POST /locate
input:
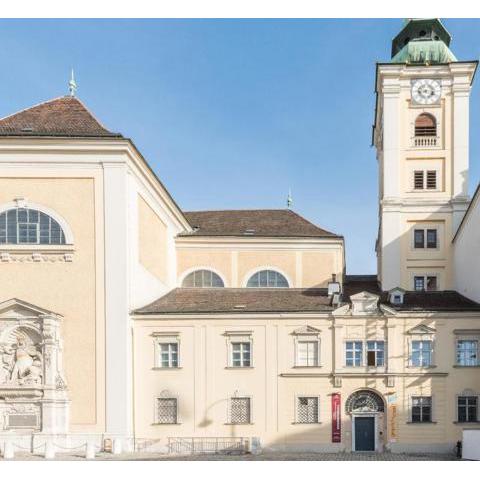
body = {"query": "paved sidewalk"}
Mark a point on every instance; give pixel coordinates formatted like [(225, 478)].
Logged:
[(261, 457)]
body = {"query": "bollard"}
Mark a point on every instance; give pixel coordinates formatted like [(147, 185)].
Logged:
[(8, 450), (49, 450), (90, 451), (117, 446)]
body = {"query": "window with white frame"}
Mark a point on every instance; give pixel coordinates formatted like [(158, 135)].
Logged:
[(307, 353), (353, 353), (467, 408), (239, 346), (241, 354), (376, 353), (166, 410), (267, 279), (421, 353), (307, 410), (421, 409), (203, 279), (240, 410), (467, 353), (167, 346), (28, 226), (425, 283)]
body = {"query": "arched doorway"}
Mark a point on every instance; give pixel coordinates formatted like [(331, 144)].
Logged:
[(366, 408)]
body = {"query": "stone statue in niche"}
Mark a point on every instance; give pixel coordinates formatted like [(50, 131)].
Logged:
[(21, 362)]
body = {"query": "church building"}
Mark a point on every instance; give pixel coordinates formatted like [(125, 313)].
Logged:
[(131, 324)]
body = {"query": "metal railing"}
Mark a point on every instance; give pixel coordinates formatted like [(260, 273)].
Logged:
[(207, 445), (425, 141)]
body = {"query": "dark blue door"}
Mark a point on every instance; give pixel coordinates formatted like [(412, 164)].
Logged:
[(364, 434)]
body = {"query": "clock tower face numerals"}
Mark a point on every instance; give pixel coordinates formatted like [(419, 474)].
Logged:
[(426, 92)]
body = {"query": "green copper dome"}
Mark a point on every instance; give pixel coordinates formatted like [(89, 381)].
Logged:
[(422, 41)]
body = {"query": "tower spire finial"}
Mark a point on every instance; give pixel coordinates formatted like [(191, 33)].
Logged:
[(72, 85), (289, 199)]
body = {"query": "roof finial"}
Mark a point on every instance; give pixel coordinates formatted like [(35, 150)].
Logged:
[(289, 199), (72, 85)]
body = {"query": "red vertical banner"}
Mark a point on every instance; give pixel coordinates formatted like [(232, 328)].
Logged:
[(336, 419)]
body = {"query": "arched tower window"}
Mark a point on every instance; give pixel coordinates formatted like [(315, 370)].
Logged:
[(267, 279), (425, 126), (203, 279), (29, 226)]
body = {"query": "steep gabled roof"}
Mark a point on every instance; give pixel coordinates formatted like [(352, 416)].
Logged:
[(61, 117), (253, 223)]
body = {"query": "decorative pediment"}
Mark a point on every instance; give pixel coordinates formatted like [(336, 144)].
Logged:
[(19, 309), (306, 330), (364, 303), (421, 329)]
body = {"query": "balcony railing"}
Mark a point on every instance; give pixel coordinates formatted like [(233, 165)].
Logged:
[(425, 141)]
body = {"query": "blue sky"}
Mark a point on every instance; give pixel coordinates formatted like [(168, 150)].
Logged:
[(231, 113)]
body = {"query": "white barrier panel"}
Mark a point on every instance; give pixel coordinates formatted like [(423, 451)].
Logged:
[(471, 444), (8, 450), (90, 451)]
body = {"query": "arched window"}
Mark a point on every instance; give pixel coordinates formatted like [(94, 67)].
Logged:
[(203, 279), (425, 126), (267, 279), (28, 226), (364, 401)]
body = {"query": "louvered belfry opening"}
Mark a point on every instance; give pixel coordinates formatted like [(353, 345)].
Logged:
[(425, 126)]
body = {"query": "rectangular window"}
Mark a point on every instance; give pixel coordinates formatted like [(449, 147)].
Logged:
[(418, 180), (241, 354), (168, 355), (421, 353), (307, 410), (431, 180), (239, 410), (467, 409), (421, 409), (307, 354), (353, 354), (166, 410), (431, 238), (419, 238), (419, 283), (376, 353), (467, 353), (431, 283)]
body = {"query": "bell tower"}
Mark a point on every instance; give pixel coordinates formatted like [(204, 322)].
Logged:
[(421, 133)]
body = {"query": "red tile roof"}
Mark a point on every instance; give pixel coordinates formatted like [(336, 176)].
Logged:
[(252, 223), (61, 117)]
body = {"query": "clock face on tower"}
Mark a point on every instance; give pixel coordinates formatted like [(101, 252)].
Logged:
[(426, 92)]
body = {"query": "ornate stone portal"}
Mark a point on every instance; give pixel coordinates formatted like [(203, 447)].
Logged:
[(33, 393)]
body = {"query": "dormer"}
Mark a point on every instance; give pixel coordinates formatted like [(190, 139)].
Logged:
[(364, 303), (396, 296)]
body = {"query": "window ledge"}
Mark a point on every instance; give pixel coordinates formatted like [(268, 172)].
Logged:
[(421, 423), (466, 366), (466, 423), (307, 366), (306, 423), (175, 423), (22, 247), (412, 367), (239, 424), (28, 253), (167, 368), (238, 368)]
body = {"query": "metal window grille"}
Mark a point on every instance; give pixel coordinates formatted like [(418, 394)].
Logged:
[(467, 352), (431, 179), (421, 409), (307, 410), (168, 355), (307, 353), (241, 354), (26, 226), (166, 410), (418, 180), (240, 410), (467, 409)]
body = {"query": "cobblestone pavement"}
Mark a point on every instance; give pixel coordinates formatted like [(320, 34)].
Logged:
[(260, 457)]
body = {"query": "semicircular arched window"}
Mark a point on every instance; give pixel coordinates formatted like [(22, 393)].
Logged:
[(27, 226), (425, 125), (267, 279), (203, 279)]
